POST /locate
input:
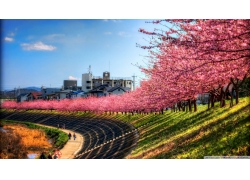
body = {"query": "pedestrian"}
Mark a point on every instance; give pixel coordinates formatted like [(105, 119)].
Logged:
[(42, 156), (58, 126), (49, 156), (69, 135), (74, 135), (57, 154), (63, 126)]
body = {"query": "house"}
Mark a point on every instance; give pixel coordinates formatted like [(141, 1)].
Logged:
[(99, 90), (22, 97), (64, 94), (107, 90), (77, 94), (34, 96), (49, 93), (89, 82), (82, 94), (116, 90)]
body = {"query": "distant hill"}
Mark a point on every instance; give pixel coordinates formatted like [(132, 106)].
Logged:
[(12, 93), (33, 88)]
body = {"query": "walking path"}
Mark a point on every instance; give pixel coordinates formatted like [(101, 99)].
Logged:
[(72, 147)]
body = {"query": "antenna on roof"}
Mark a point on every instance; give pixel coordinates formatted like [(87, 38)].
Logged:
[(89, 69)]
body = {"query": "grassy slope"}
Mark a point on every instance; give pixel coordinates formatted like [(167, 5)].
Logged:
[(214, 132)]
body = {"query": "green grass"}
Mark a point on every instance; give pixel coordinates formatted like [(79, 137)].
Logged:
[(60, 138), (207, 132), (214, 132)]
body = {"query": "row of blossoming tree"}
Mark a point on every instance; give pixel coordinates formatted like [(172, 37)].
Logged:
[(187, 58)]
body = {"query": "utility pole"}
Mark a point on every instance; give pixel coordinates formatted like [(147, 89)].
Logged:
[(14, 93), (134, 81)]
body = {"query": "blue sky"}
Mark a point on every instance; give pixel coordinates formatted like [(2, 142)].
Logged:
[(46, 52)]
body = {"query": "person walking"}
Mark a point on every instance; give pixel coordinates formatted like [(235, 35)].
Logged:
[(57, 154), (49, 156), (42, 156), (74, 136), (69, 135)]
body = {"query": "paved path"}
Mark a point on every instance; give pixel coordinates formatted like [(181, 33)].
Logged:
[(72, 147)]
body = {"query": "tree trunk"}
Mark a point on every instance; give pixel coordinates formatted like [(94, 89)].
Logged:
[(208, 103), (222, 98), (237, 94), (189, 105), (195, 106), (212, 100), (232, 97)]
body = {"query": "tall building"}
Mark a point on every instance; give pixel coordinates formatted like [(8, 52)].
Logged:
[(87, 82)]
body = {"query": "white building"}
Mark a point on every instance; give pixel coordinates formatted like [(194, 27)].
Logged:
[(87, 82), (90, 82)]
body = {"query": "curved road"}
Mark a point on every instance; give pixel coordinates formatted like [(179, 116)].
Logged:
[(103, 138)]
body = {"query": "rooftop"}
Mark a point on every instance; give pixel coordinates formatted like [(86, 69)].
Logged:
[(113, 78)]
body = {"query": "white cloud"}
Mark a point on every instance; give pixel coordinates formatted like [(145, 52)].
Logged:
[(124, 34), (108, 33), (73, 78), (38, 46), (8, 39)]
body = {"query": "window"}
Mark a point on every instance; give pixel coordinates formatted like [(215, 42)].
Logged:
[(88, 87), (88, 82)]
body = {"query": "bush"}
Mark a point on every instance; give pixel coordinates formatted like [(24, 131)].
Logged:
[(60, 138), (11, 147)]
